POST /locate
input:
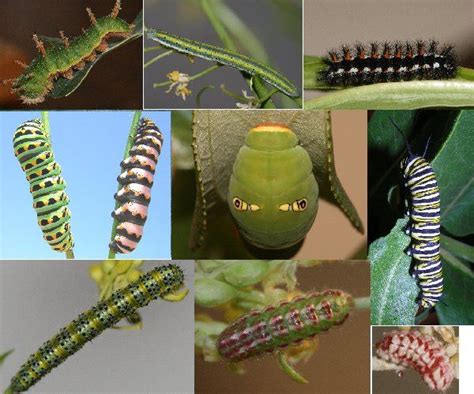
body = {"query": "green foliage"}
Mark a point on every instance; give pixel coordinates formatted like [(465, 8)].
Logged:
[(452, 158), (4, 356), (393, 291)]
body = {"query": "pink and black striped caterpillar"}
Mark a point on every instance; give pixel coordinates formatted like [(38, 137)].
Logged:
[(364, 65), (136, 180), (421, 352), (276, 327)]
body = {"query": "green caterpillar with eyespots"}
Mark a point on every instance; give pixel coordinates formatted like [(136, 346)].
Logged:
[(33, 150), (273, 194)]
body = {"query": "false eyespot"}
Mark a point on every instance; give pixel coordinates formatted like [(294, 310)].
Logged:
[(273, 193), (276, 327), (63, 60)]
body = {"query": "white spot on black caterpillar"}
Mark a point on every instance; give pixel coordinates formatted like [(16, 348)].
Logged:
[(395, 62)]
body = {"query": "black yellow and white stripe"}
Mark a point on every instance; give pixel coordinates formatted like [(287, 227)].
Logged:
[(158, 282), (33, 151), (424, 227)]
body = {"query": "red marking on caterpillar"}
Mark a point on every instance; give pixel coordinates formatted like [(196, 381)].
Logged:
[(137, 180), (395, 62), (419, 351), (277, 327), (61, 61)]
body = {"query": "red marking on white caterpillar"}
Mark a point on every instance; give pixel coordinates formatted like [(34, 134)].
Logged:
[(419, 351)]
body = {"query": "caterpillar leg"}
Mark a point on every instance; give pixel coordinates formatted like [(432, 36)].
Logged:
[(176, 296), (287, 368)]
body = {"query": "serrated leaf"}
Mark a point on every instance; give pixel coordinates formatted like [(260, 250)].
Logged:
[(456, 304), (64, 87), (218, 136), (454, 166), (393, 291)]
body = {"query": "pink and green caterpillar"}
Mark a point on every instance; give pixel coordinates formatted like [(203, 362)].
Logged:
[(276, 327), (62, 60)]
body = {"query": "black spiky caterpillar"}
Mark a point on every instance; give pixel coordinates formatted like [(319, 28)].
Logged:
[(137, 181), (367, 64), (156, 283)]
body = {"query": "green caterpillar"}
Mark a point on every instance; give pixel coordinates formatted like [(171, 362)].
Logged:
[(273, 194), (159, 282), (32, 149), (61, 61), (226, 57)]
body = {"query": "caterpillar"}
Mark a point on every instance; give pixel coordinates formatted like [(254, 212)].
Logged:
[(62, 60), (136, 181), (424, 227), (158, 282), (419, 351), (33, 150), (365, 65), (276, 327), (273, 194), (225, 57)]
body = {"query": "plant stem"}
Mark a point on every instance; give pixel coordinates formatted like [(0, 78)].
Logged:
[(130, 140), (191, 78), (465, 73), (156, 58), (154, 48), (70, 254), (45, 121), (218, 25), (259, 89)]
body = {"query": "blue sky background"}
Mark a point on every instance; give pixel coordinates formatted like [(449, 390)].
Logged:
[(89, 146)]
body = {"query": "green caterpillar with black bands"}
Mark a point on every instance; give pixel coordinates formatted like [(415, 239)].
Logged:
[(32, 148)]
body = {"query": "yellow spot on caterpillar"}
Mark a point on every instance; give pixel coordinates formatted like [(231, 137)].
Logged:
[(276, 127)]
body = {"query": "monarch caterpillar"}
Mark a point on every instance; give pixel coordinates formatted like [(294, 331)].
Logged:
[(33, 150), (421, 352), (424, 226), (226, 57), (62, 60), (273, 194), (136, 180), (365, 65), (158, 282), (288, 323)]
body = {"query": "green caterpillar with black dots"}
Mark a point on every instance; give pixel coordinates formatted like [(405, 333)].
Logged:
[(158, 283), (32, 148)]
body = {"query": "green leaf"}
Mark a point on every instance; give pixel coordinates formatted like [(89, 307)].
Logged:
[(64, 87), (182, 139), (399, 95), (218, 136), (211, 292), (313, 65), (456, 304), (454, 166), (393, 291)]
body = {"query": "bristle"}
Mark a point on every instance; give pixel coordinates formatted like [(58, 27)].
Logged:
[(389, 62)]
